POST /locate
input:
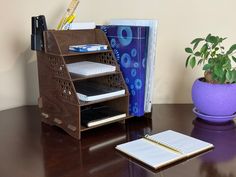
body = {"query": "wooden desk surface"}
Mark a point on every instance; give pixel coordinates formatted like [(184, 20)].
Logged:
[(31, 149)]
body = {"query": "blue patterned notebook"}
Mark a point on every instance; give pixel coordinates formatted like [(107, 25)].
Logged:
[(130, 44)]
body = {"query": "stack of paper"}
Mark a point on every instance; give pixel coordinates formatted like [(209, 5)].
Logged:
[(87, 68)]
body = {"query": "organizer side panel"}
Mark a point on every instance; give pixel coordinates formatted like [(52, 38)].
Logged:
[(57, 102), (50, 43), (101, 37)]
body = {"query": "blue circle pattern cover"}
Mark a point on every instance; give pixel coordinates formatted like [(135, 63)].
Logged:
[(130, 44)]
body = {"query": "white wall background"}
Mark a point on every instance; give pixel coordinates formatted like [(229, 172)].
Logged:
[(179, 22)]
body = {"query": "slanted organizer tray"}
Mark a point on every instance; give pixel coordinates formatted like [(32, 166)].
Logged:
[(58, 101)]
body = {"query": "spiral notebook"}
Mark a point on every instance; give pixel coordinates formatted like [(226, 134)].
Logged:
[(164, 148)]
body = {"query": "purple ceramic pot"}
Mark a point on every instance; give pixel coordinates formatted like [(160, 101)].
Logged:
[(214, 99)]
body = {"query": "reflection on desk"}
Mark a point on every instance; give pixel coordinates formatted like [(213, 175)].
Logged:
[(29, 148), (94, 156), (223, 136)]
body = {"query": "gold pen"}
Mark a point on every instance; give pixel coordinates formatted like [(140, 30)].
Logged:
[(147, 137)]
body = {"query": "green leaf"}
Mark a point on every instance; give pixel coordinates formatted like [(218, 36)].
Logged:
[(232, 48), (188, 50), (223, 61), (234, 59), (187, 61), (227, 65), (197, 40), (199, 62), (206, 55), (220, 57), (195, 45), (213, 54), (214, 45), (207, 67), (197, 54), (228, 75), (212, 39), (223, 77), (211, 60), (222, 39), (214, 77), (208, 36), (233, 79), (204, 48), (192, 62), (218, 71)]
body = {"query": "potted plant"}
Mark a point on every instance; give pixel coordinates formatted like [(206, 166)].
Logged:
[(213, 95)]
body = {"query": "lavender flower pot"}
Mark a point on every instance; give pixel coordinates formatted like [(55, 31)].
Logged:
[(217, 100)]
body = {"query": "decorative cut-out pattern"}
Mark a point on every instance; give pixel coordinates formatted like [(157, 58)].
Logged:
[(66, 90), (58, 67), (106, 58)]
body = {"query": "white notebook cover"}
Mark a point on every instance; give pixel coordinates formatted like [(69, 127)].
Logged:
[(152, 43), (156, 155), (88, 68)]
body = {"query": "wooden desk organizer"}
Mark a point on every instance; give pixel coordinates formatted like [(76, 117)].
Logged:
[(58, 102)]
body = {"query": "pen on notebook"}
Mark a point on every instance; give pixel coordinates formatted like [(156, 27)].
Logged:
[(162, 144)]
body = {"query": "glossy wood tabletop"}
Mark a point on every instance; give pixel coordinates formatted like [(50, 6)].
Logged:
[(30, 148)]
